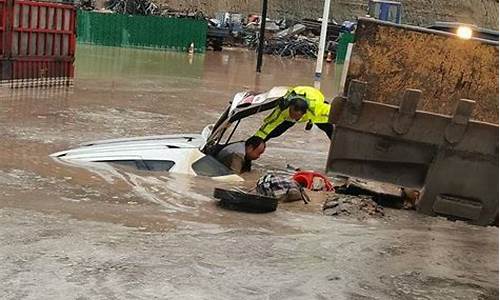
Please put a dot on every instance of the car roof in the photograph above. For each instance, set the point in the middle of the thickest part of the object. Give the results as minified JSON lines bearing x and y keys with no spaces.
{"x":180,"y":140}
{"x":128,"y":146}
{"x":130,"y":153}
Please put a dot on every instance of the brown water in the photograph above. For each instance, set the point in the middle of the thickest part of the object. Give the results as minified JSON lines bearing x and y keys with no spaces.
{"x":103,"y":233}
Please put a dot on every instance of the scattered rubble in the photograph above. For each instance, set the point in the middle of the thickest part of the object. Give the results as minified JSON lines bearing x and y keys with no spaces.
{"x":293,"y":30}
{"x":286,"y":38}
{"x":133,"y":7}
{"x":85,"y":4}
{"x":294,"y":39}
{"x":147,"y":8}
{"x":292,"y":46}
{"x":360,"y":207}
{"x":359,"y":198}
{"x":384,"y":194}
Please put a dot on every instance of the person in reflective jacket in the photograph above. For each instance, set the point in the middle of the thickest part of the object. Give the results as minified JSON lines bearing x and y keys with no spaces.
{"x":301,"y":104}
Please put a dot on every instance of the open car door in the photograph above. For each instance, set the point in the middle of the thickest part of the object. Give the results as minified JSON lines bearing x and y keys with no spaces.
{"x":243,"y":105}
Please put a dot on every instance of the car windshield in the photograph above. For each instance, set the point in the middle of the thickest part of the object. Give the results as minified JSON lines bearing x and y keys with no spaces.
{"x":209,"y":166}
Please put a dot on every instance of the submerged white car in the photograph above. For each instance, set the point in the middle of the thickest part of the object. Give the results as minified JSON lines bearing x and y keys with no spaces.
{"x":191,"y":154}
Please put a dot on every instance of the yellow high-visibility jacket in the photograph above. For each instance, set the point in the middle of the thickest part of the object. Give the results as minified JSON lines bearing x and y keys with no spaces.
{"x":318,"y":111}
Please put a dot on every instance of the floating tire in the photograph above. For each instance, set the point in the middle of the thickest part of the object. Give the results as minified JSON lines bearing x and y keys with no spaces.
{"x":240,"y":201}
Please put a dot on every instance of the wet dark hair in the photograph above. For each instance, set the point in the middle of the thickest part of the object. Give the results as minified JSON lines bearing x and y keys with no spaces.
{"x":298,"y":103}
{"x":254,"y":142}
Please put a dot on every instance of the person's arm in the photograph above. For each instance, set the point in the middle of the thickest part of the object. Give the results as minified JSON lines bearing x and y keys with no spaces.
{"x":271,"y":122}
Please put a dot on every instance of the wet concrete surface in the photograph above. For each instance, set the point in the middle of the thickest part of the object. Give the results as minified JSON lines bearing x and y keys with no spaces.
{"x":103,"y":233}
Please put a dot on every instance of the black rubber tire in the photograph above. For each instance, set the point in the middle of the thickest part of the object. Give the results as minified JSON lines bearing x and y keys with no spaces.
{"x":246,"y":202}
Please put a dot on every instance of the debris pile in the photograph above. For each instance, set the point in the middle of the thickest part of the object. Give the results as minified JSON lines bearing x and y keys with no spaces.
{"x":297,"y":38}
{"x":292,"y":46}
{"x":148,"y":8}
{"x":384,"y":194}
{"x":285,"y":38}
{"x":133,"y":7}
{"x":85,"y":4}
{"x":360,"y":206}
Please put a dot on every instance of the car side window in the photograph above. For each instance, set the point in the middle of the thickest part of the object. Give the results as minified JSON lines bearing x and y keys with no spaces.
{"x":136,"y":164}
{"x":159,"y":165}
{"x":145,"y":165}
{"x":209,"y":166}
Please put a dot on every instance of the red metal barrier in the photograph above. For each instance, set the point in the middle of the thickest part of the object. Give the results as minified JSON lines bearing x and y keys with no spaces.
{"x":2,"y":26}
{"x":37,"y":43}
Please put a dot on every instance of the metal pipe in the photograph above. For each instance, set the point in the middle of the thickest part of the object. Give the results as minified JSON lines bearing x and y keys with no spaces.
{"x":322,"y":40}
{"x":261,"y":35}
{"x":232,"y":132}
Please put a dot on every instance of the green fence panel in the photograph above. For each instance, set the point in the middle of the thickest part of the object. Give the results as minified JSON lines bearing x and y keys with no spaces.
{"x":141,"y":31}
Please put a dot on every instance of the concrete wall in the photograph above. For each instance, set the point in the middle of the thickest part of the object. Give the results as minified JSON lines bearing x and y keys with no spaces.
{"x":483,"y":13}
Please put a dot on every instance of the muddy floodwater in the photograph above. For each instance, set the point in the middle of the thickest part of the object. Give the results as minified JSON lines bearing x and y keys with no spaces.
{"x":98,"y":232}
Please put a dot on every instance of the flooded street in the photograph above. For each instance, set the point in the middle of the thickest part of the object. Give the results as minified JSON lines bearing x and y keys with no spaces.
{"x":97,"y":232}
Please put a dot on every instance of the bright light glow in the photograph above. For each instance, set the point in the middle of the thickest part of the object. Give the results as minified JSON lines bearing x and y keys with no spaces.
{"x":464,"y":32}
